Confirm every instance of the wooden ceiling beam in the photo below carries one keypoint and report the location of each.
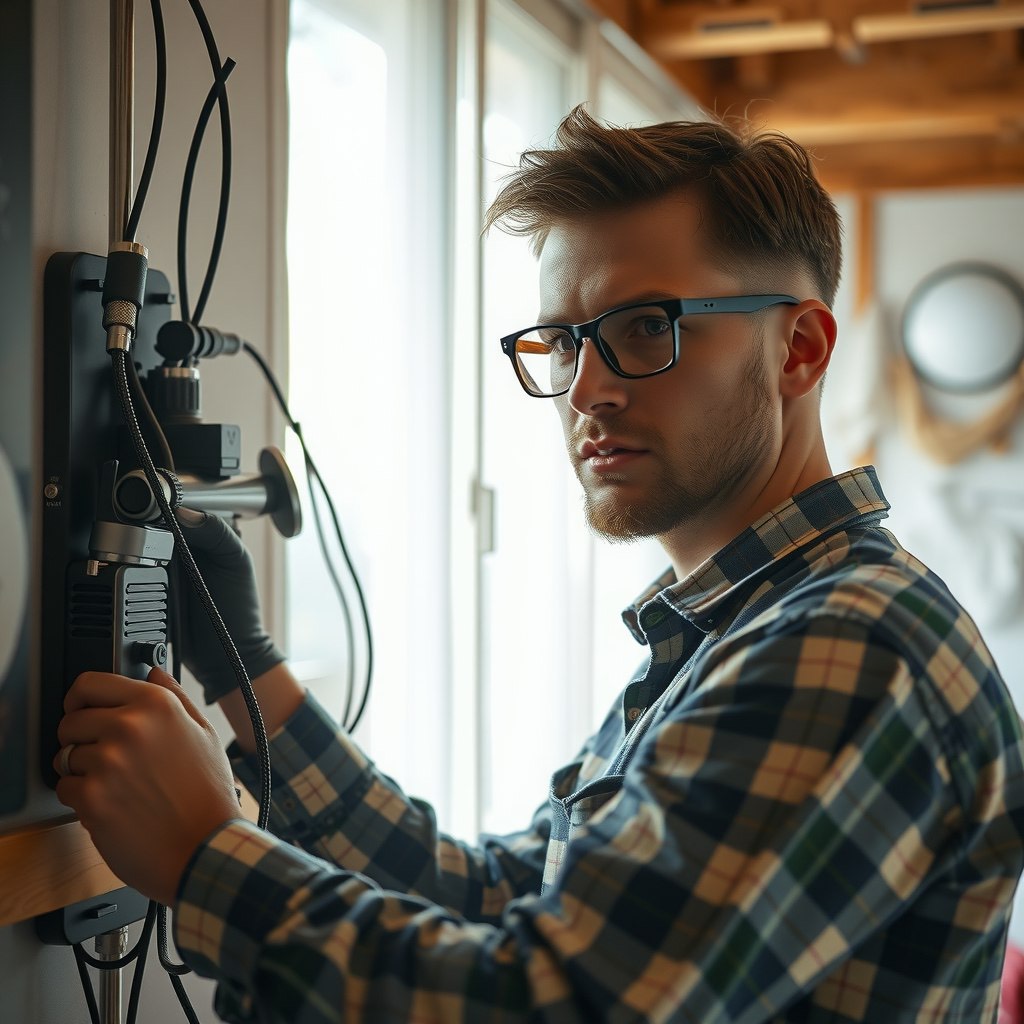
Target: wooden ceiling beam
(738, 40)
(852, 126)
(678, 33)
(885, 97)
(887, 28)
(933, 164)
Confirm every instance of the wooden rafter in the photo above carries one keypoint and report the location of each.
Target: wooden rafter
(886, 92)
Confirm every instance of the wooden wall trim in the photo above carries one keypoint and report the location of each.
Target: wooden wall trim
(864, 277)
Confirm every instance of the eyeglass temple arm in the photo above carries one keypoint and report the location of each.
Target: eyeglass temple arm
(537, 348)
(736, 304)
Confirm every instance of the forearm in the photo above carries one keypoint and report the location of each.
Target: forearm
(332, 801)
(281, 934)
(278, 694)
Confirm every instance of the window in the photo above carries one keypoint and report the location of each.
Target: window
(554, 650)
(368, 363)
(397, 413)
(528, 587)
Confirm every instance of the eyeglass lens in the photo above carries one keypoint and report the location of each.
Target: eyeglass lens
(638, 341)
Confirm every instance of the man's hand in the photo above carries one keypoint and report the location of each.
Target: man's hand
(147, 776)
(226, 567)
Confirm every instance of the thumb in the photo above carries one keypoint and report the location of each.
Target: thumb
(159, 677)
(202, 531)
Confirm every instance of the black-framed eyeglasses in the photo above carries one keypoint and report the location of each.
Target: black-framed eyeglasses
(638, 340)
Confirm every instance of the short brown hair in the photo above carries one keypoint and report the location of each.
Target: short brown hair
(763, 206)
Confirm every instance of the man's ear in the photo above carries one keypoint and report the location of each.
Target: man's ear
(810, 336)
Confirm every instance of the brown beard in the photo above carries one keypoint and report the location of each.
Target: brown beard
(720, 461)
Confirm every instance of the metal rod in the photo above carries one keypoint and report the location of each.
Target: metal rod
(244, 496)
(122, 115)
(111, 946)
(272, 492)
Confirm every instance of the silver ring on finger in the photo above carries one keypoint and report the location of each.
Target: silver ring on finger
(64, 761)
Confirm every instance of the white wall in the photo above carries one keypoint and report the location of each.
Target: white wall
(40, 985)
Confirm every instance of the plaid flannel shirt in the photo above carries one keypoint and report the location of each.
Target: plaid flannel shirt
(808, 806)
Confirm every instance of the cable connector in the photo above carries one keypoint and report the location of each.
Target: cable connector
(124, 291)
(177, 341)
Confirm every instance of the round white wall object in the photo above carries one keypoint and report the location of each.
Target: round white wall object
(13, 567)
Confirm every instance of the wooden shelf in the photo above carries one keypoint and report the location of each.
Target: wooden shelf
(47, 866)
(43, 867)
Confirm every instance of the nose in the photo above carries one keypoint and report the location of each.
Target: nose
(596, 389)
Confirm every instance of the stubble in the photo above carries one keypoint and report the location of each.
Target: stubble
(699, 474)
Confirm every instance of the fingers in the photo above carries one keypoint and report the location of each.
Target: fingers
(101, 690)
(106, 711)
(208, 533)
(70, 792)
(85, 725)
(93, 691)
(75, 759)
(159, 677)
(189, 517)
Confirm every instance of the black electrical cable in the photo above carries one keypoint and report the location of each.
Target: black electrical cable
(186, 1006)
(141, 401)
(225, 194)
(140, 965)
(137, 953)
(346, 613)
(129, 385)
(314, 473)
(119, 358)
(109, 965)
(161, 947)
(175, 618)
(160, 97)
(311, 468)
(318, 523)
(90, 994)
(218, 92)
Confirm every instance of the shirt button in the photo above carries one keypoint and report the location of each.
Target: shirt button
(634, 713)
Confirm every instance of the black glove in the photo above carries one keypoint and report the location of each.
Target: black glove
(226, 567)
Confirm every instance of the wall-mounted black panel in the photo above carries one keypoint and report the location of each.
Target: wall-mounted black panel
(81, 432)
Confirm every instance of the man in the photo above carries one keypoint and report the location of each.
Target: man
(808, 806)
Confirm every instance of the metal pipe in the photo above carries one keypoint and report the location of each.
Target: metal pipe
(272, 492)
(121, 116)
(244, 496)
(111, 946)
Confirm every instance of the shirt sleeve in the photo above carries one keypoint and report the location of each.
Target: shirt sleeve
(783, 810)
(328, 798)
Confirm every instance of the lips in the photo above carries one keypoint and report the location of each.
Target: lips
(607, 446)
(608, 456)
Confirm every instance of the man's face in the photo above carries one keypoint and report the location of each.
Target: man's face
(672, 451)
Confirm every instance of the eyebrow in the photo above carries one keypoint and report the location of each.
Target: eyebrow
(544, 318)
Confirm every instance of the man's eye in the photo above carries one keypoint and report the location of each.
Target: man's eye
(653, 327)
(647, 327)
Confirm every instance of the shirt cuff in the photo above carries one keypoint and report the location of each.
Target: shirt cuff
(317, 773)
(234, 891)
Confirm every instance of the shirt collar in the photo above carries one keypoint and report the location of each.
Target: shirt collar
(838, 503)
